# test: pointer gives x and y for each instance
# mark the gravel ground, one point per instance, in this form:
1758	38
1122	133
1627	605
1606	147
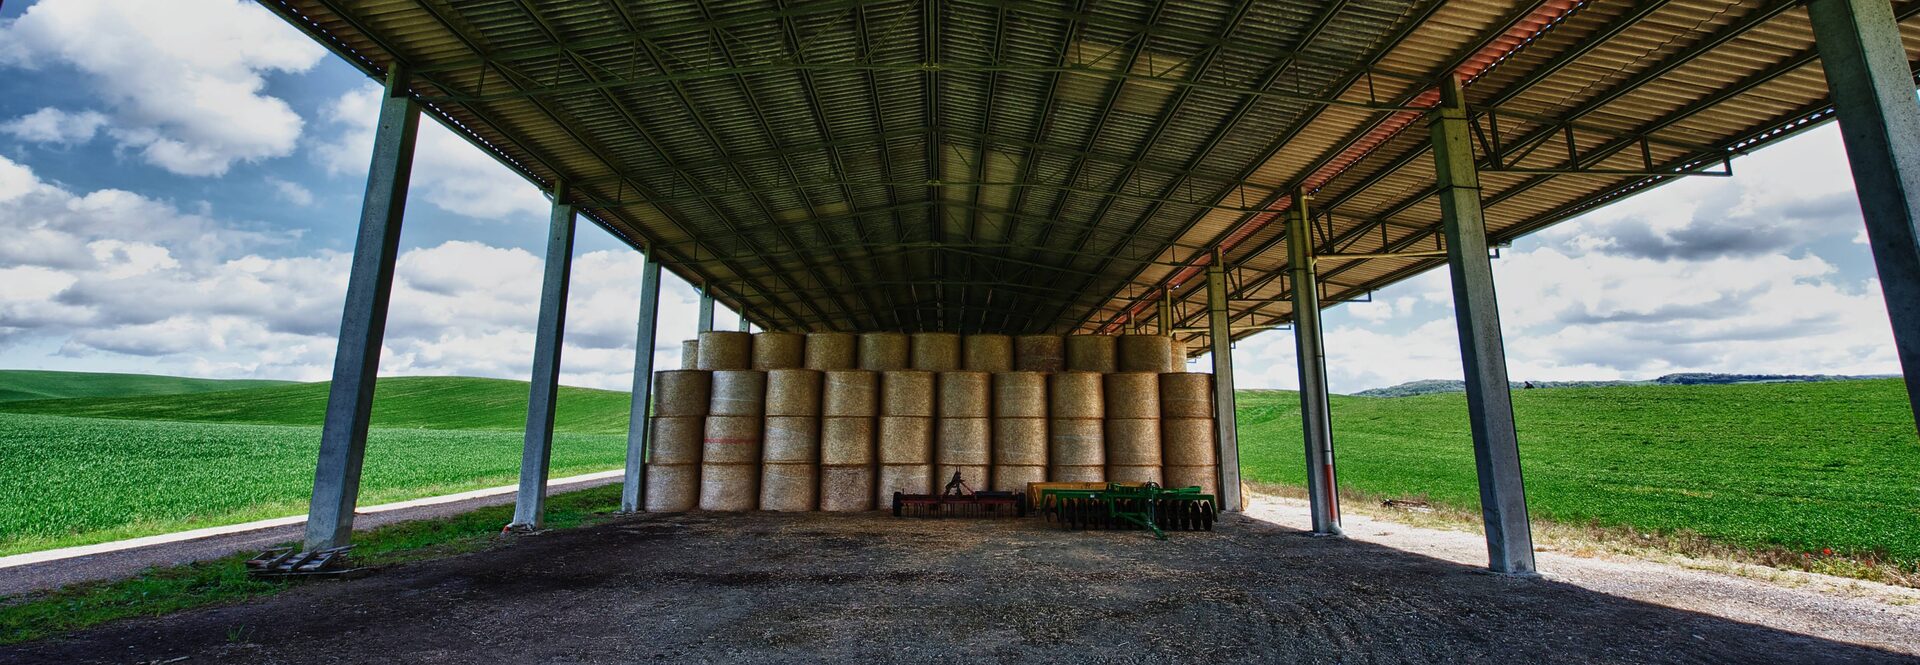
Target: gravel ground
755	588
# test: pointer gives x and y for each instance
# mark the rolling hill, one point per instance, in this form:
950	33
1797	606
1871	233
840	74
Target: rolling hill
21	384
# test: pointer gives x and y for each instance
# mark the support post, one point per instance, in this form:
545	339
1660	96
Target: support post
529	506
633	487
705	324
363	322
1873	96
1496	445
1310	353
745	325
1226	430
1166	314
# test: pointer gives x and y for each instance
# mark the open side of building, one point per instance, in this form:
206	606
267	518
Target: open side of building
1209	169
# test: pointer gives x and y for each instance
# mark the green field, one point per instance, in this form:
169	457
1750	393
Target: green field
1802	466
86	470
30	384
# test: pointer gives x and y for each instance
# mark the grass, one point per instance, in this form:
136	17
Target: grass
165	590
1808	468
130	467
18	385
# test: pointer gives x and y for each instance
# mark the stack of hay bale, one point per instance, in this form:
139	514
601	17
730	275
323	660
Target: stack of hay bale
841	421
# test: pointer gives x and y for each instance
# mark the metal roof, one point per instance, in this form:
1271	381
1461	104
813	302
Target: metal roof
1016	166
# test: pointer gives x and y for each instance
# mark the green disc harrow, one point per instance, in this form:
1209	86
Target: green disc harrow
1147	506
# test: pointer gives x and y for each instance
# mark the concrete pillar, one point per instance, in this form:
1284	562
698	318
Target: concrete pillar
363	323
1226	430
705	323
632	488
530	505
1310	352
1872	87
1496	446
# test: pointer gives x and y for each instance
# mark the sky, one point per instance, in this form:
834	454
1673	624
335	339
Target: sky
180	184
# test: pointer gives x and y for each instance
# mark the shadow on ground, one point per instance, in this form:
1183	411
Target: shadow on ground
770	587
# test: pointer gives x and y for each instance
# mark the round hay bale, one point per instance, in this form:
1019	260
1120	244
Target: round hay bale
1075	395
1132	442
904	440
1077	474
906	393
738	393
690	355
1015	478
908	478
789	488
682	392
676	439
846	441
1091	353
724	349
975	476
672	488
730	440
1179	353
729	487
1040	353
846	489
964	441
1133	474
791	440
1207	477
1187	442
987	353
965	395
1020	395
832	351
1186	395
1132	395
1076	442
793	392
936	352
779	350
1145	353
851	392
1020	441
884	351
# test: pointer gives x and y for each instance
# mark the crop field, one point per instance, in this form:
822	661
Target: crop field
89	470
1805	466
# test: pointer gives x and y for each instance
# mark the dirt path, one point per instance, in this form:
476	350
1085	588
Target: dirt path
755	588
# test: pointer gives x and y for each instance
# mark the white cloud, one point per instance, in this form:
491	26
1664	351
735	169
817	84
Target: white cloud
291	192
447	171
185	79
51	125
117	279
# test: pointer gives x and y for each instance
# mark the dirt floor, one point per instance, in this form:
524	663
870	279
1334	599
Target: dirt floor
755	588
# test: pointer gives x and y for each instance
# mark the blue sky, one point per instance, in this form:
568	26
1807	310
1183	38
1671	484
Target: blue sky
179	184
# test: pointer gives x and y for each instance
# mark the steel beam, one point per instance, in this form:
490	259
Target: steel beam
706	311
1873	96
1496	445
1226	429
633	491
1310	355
530	506
363	322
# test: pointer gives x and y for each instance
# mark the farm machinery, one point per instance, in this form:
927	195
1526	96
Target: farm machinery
959	499
1130	506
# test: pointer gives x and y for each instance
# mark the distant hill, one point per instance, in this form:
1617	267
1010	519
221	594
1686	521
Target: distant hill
22	384
1431	386
407	402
